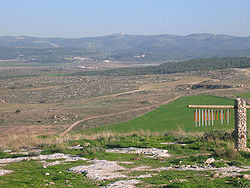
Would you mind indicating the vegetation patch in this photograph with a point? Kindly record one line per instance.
(38, 171)
(172, 116)
(175, 67)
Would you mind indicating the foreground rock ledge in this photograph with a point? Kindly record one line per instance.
(101, 170)
(2, 172)
(152, 152)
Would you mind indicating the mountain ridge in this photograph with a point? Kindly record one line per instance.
(156, 47)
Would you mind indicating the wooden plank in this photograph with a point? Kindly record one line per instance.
(215, 106)
(212, 106)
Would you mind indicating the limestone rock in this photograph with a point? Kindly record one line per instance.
(210, 161)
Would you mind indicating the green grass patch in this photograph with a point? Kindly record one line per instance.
(192, 179)
(171, 117)
(32, 174)
(217, 144)
(244, 95)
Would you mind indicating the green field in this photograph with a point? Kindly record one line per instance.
(245, 95)
(171, 116)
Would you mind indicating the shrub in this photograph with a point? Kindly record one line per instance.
(228, 153)
(217, 135)
(17, 111)
(235, 163)
(92, 150)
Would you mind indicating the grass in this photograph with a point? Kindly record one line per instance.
(172, 116)
(245, 95)
(216, 142)
(191, 179)
(32, 174)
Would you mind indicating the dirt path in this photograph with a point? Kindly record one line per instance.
(117, 113)
(123, 93)
(154, 86)
(143, 108)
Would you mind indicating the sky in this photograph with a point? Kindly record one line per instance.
(86, 18)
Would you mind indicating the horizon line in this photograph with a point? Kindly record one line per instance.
(123, 33)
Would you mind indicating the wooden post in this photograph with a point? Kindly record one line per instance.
(240, 124)
(212, 117)
(240, 109)
(199, 117)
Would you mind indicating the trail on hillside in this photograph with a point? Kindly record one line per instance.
(143, 108)
(117, 113)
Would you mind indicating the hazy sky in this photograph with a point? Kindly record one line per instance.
(82, 18)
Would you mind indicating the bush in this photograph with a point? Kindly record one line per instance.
(245, 154)
(235, 163)
(17, 111)
(92, 150)
(228, 153)
(217, 135)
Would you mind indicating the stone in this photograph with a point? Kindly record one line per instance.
(149, 152)
(3, 101)
(2, 172)
(181, 180)
(101, 170)
(123, 183)
(7, 151)
(246, 176)
(86, 144)
(210, 161)
(43, 157)
(216, 175)
(76, 147)
(240, 124)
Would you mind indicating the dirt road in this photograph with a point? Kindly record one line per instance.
(143, 108)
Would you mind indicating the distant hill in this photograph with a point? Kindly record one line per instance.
(175, 67)
(141, 47)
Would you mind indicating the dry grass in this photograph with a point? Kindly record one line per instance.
(17, 142)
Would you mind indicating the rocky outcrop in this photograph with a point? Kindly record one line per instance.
(150, 152)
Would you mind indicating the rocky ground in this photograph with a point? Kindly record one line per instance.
(121, 174)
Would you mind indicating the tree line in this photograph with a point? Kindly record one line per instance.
(175, 67)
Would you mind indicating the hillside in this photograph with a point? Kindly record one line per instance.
(139, 47)
(172, 116)
(175, 67)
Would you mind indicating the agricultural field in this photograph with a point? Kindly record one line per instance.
(245, 95)
(49, 100)
(59, 129)
(173, 116)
